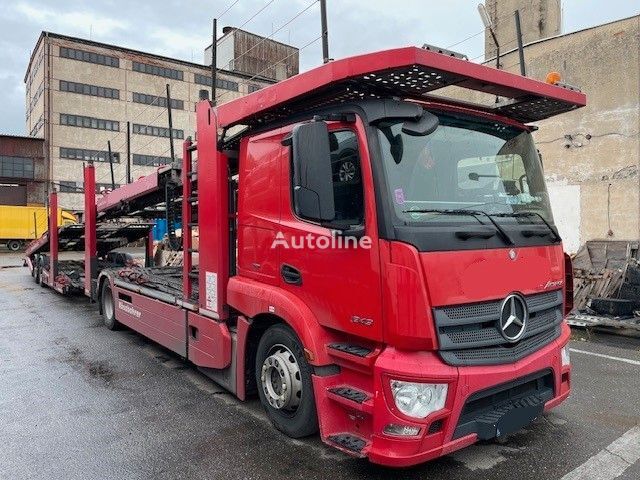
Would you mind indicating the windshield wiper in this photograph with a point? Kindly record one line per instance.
(473, 213)
(530, 213)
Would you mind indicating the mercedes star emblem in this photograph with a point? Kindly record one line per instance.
(513, 318)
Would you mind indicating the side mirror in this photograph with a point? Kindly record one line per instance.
(312, 175)
(425, 125)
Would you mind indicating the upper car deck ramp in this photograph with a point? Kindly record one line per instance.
(409, 73)
(108, 237)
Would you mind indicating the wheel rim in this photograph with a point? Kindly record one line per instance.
(347, 171)
(108, 303)
(281, 379)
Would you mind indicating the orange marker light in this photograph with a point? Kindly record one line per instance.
(553, 78)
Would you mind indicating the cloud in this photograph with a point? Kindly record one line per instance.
(182, 29)
(74, 21)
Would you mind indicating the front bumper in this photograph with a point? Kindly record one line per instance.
(437, 435)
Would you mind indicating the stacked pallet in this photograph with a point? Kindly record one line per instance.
(588, 285)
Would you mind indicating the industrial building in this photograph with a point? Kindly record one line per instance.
(246, 53)
(22, 170)
(590, 156)
(82, 95)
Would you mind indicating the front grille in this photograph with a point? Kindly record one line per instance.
(470, 334)
(488, 411)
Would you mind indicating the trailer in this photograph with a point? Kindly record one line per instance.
(19, 224)
(376, 262)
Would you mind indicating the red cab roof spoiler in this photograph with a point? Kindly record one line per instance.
(409, 73)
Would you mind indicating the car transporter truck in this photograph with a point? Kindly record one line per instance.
(376, 262)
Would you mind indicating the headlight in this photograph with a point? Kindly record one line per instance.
(566, 358)
(418, 399)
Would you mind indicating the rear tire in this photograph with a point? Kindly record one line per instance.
(39, 267)
(14, 245)
(109, 308)
(283, 378)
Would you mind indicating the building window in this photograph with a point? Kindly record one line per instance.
(69, 187)
(16, 167)
(156, 131)
(93, 90)
(157, 101)
(252, 87)
(157, 70)
(89, 122)
(101, 187)
(88, 155)
(220, 83)
(90, 57)
(36, 128)
(151, 160)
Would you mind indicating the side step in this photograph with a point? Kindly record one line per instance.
(350, 394)
(356, 350)
(351, 398)
(356, 357)
(349, 443)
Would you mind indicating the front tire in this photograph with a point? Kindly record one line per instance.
(283, 377)
(109, 308)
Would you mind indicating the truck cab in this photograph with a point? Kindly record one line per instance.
(422, 231)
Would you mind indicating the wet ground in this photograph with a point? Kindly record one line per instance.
(79, 401)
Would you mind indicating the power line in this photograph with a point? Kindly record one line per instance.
(220, 15)
(272, 33)
(250, 18)
(276, 63)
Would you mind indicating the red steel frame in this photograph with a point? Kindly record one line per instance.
(201, 333)
(90, 242)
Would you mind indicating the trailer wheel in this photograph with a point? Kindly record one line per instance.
(39, 267)
(109, 308)
(283, 377)
(14, 245)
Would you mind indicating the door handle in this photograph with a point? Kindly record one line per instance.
(291, 275)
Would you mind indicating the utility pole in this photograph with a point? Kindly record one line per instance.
(173, 156)
(325, 31)
(488, 24)
(128, 167)
(523, 69)
(214, 60)
(113, 178)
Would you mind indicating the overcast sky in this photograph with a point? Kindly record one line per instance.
(181, 29)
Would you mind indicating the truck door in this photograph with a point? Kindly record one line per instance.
(337, 277)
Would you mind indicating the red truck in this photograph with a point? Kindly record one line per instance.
(378, 263)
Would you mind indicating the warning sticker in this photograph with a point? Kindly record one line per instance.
(211, 291)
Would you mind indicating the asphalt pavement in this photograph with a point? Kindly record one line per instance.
(79, 401)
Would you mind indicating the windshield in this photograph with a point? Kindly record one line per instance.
(466, 164)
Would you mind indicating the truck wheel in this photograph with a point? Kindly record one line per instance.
(39, 267)
(13, 245)
(109, 308)
(36, 269)
(284, 383)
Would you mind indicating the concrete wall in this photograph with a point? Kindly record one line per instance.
(592, 174)
(538, 19)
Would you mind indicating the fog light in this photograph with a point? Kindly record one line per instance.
(566, 358)
(418, 399)
(401, 430)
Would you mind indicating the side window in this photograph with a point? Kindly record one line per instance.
(347, 177)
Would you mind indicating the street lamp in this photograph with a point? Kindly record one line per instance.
(489, 26)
